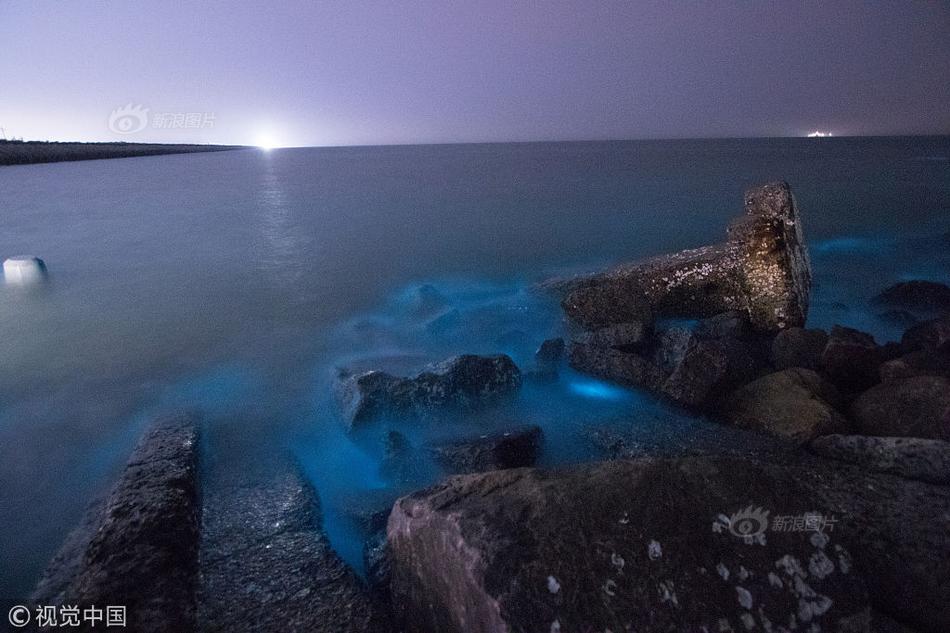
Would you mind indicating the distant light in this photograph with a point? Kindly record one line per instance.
(819, 134)
(267, 142)
(599, 390)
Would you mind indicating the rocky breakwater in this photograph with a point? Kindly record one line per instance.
(234, 545)
(138, 547)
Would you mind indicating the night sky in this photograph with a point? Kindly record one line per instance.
(306, 72)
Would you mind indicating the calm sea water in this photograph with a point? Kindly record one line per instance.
(236, 282)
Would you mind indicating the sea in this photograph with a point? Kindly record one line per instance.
(237, 284)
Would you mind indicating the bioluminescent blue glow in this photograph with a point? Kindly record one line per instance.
(599, 390)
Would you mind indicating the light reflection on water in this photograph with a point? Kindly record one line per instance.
(236, 282)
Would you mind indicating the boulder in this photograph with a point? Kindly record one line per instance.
(918, 363)
(721, 353)
(140, 549)
(928, 336)
(796, 404)
(622, 336)
(762, 271)
(625, 368)
(464, 383)
(913, 458)
(909, 407)
(642, 545)
(916, 296)
(512, 449)
(798, 347)
(851, 359)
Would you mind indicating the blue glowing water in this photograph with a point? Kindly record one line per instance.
(235, 283)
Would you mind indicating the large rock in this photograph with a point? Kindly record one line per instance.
(910, 407)
(851, 359)
(645, 545)
(622, 336)
(919, 363)
(928, 336)
(267, 564)
(798, 347)
(762, 271)
(914, 458)
(721, 353)
(796, 404)
(919, 296)
(625, 368)
(141, 547)
(496, 451)
(464, 383)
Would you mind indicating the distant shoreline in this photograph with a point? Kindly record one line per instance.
(32, 152)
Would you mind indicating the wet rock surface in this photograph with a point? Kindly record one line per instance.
(462, 383)
(626, 545)
(797, 404)
(139, 546)
(762, 270)
(914, 458)
(512, 449)
(909, 407)
(266, 563)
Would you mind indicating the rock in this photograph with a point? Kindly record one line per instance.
(796, 404)
(909, 407)
(851, 359)
(267, 565)
(719, 356)
(899, 318)
(896, 530)
(625, 368)
(142, 550)
(798, 347)
(622, 336)
(513, 449)
(918, 363)
(550, 354)
(920, 296)
(644, 545)
(762, 271)
(702, 370)
(465, 383)
(670, 348)
(914, 458)
(928, 336)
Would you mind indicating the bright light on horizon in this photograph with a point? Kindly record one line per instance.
(267, 140)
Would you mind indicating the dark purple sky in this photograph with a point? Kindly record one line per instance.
(308, 72)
